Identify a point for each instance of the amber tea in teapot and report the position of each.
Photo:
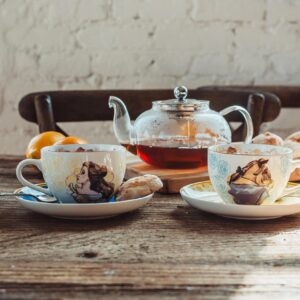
(170, 153)
(175, 133)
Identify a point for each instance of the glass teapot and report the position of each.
(175, 133)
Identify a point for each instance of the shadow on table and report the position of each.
(47, 223)
(243, 250)
(195, 220)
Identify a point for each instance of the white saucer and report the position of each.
(79, 211)
(201, 195)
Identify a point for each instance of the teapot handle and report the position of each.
(246, 116)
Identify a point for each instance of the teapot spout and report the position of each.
(121, 122)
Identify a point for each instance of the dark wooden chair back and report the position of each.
(289, 95)
(49, 107)
(262, 105)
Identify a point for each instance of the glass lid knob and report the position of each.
(180, 93)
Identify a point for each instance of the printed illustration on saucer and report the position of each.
(251, 184)
(91, 183)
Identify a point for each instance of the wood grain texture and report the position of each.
(44, 113)
(173, 179)
(289, 95)
(166, 250)
(272, 101)
(88, 105)
(82, 105)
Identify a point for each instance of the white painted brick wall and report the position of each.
(93, 44)
(229, 10)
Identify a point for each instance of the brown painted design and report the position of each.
(90, 184)
(250, 184)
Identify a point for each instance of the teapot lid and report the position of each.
(181, 102)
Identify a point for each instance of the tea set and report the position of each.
(87, 211)
(247, 181)
(175, 133)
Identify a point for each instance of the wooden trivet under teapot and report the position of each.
(173, 179)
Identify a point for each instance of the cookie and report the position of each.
(138, 187)
(268, 138)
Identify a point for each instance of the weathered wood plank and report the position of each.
(166, 231)
(173, 179)
(149, 280)
(166, 250)
(239, 292)
(139, 276)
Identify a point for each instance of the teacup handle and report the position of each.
(287, 191)
(247, 117)
(25, 182)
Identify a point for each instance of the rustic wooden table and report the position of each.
(166, 250)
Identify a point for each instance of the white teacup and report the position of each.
(254, 175)
(79, 177)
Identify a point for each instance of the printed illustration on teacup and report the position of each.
(91, 183)
(251, 184)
